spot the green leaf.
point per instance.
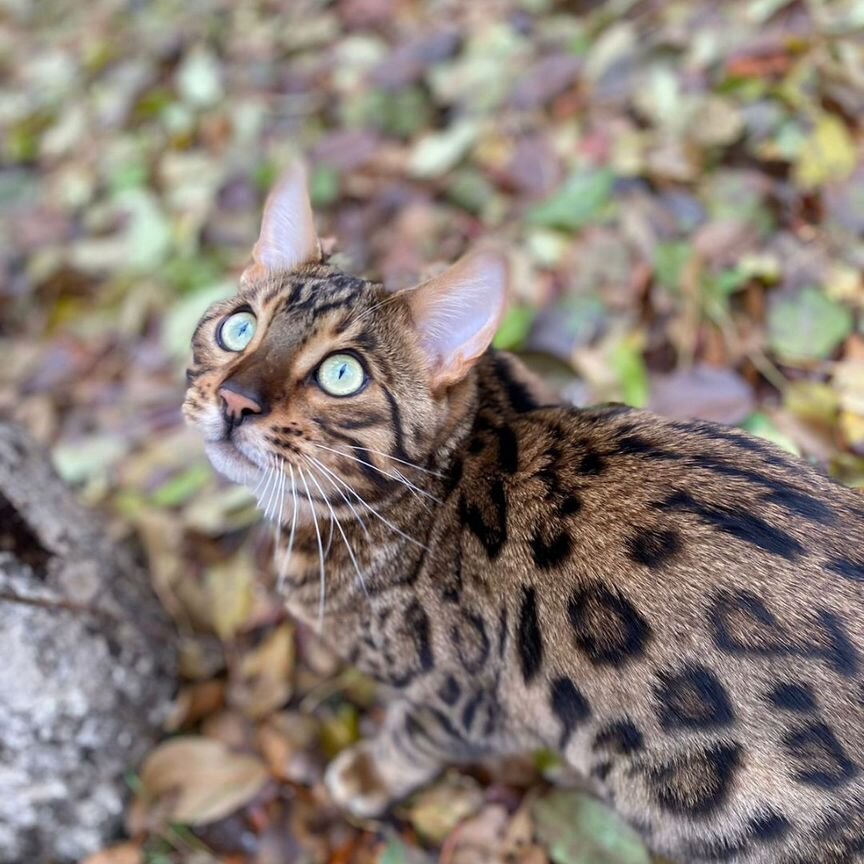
(828, 154)
(629, 365)
(582, 199)
(437, 153)
(578, 829)
(514, 328)
(670, 259)
(763, 426)
(325, 186)
(807, 326)
(182, 486)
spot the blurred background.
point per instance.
(680, 186)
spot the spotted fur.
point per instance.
(675, 607)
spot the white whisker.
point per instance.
(287, 557)
(340, 529)
(400, 461)
(345, 498)
(320, 550)
(281, 503)
(399, 478)
(375, 513)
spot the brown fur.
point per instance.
(675, 607)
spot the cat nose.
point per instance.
(239, 404)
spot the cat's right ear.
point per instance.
(457, 314)
(288, 237)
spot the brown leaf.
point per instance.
(262, 679)
(704, 393)
(122, 853)
(196, 780)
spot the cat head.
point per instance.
(329, 378)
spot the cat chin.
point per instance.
(231, 463)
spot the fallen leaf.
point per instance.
(122, 853)
(583, 198)
(579, 829)
(828, 154)
(702, 392)
(198, 780)
(437, 810)
(807, 325)
(261, 681)
(437, 153)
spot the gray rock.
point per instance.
(87, 670)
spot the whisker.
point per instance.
(287, 557)
(340, 529)
(400, 461)
(320, 551)
(281, 511)
(398, 477)
(375, 513)
(271, 476)
(345, 498)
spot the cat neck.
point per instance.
(383, 543)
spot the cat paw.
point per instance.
(355, 785)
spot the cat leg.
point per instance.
(409, 751)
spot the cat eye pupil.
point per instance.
(236, 331)
(341, 375)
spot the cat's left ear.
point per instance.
(288, 237)
(457, 314)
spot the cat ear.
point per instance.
(457, 314)
(288, 236)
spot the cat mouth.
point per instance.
(228, 459)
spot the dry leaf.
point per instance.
(198, 780)
(122, 853)
(261, 681)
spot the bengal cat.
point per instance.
(676, 608)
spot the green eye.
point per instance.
(236, 331)
(341, 375)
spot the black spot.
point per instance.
(636, 445)
(738, 523)
(518, 395)
(601, 770)
(547, 556)
(470, 710)
(471, 642)
(417, 624)
(454, 477)
(361, 420)
(768, 827)
(653, 547)
(743, 625)
(529, 637)
(696, 783)
(450, 584)
(450, 691)
(592, 463)
(570, 506)
(508, 450)
(502, 629)
(853, 570)
(779, 492)
(820, 757)
(606, 626)
(569, 705)
(620, 737)
(801, 504)
(692, 699)
(793, 697)
(492, 535)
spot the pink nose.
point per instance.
(237, 406)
